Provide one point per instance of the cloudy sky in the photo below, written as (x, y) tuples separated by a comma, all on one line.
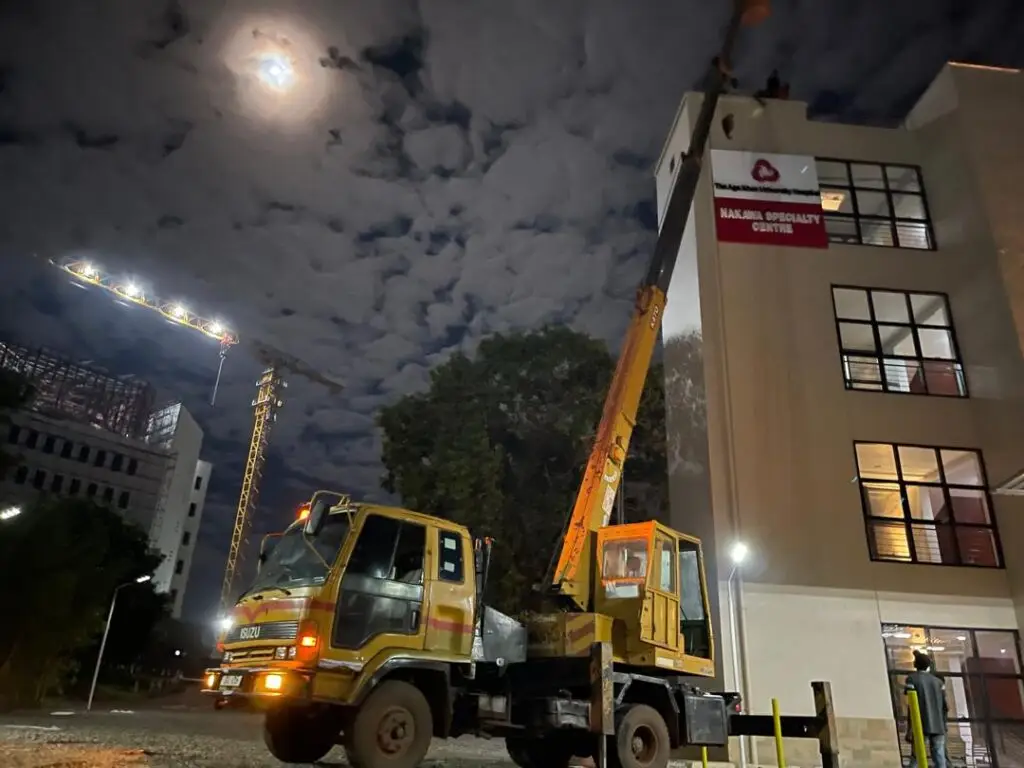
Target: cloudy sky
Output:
[(440, 170)]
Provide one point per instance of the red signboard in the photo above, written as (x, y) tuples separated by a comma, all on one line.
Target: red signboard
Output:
[(767, 199)]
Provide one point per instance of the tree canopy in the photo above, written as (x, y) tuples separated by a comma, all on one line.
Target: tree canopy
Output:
[(499, 442)]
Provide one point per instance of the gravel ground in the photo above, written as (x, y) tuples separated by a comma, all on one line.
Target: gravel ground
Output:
[(180, 740)]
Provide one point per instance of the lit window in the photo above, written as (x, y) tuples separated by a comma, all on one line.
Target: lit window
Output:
[(981, 670), (927, 505), (893, 341), (874, 204)]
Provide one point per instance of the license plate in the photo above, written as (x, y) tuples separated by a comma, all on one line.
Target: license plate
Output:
[(230, 681)]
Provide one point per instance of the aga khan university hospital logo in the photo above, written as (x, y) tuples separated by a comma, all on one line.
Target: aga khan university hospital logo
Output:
[(764, 172)]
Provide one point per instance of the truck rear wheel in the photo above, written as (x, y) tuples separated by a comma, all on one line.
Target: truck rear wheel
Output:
[(551, 751), (641, 739), (392, 729), (299, 734)]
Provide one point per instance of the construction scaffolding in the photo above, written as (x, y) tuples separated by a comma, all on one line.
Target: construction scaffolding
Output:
[(77, 391)]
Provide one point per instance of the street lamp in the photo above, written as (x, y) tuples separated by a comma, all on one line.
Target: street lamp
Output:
[(738, 554), (106, 631)]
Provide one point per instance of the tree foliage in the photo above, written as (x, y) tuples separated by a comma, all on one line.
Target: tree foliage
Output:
[(499, 443), (15, 392), (60, 561)]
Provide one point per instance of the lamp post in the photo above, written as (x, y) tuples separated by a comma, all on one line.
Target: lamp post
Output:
[(106, 631), (738, 555)]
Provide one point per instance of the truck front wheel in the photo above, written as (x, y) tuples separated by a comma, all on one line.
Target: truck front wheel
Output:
[(392, 729), (299, 734), (641, 739)]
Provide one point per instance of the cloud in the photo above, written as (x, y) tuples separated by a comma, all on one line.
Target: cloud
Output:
[(442, 170)]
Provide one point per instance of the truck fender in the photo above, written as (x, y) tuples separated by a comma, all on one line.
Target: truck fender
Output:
[(654, 692), (433, 678)]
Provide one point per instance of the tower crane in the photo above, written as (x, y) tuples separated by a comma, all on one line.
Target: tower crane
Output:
[(270, 387)]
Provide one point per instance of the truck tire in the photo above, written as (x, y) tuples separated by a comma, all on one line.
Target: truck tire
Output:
[(392, 729), (551, 751), (641, 739), (297, 734)]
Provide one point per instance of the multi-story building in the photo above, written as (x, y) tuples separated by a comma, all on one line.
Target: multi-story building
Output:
[(845, 394), (91, 435)]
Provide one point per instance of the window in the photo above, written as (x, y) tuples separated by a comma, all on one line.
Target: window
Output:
[(186, 538), (57, 483), (892, 341), (90, 490), (133, 466), (382, 589), (83, 454), (874, 204), (179, 567), (66, 448), (927, 505), (14, 434), (192, 509), (39, 479), (108, 495), (49, 444), (117, 462), (981, 669), (450, 565), (33, 438), (21, 475), (101, 458), (122, 500), (75, 487), (199, 482), (667, 565)]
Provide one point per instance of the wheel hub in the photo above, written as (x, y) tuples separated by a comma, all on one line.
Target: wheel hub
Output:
[(644, 745), (396, 731)]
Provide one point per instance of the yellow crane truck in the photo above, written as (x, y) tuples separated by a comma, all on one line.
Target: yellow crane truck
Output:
[(367, 625)]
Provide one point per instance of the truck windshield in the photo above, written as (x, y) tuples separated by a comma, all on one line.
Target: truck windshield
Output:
[(293, 562)]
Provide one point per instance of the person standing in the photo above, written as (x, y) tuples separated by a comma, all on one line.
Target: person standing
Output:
[(931, 699)]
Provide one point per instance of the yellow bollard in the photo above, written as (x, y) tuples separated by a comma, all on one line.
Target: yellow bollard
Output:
[(920, 753), (780, 753), (704, 757)]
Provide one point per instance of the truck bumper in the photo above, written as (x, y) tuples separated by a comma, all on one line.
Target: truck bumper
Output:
[(257, 683)]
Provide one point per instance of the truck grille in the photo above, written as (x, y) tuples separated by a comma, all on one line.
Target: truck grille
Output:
[(271, 630)]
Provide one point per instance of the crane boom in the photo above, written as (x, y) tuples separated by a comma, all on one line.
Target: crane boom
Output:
[(600, 484)]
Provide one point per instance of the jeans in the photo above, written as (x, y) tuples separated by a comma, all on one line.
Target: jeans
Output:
[(936, 752)]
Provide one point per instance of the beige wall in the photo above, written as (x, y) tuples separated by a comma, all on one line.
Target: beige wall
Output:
[(780, 467)]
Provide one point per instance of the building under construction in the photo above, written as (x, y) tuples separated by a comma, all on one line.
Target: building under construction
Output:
[(90, 435), (77, 391)]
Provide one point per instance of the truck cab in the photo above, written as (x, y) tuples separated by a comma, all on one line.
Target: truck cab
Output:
[(365, 592)]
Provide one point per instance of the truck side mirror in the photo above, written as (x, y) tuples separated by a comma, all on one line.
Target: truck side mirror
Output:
[(318, 509)]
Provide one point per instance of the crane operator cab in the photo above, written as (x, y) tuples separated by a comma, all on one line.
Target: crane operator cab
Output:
[(651, 582)]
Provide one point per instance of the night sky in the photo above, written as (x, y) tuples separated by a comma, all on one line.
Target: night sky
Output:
[(438, 171)]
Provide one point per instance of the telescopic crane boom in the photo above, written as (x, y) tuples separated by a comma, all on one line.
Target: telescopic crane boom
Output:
[(572, 576)]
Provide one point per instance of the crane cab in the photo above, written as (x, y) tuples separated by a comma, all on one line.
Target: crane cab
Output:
[(650, 580)]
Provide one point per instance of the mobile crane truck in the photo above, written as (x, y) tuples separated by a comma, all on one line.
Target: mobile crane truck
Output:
[(367, 625)]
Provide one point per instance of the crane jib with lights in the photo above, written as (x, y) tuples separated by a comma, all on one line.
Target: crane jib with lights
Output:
[(269, 389), (572, 574)]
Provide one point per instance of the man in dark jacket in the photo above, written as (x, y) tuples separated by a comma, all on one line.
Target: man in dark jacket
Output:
[(931, 699)]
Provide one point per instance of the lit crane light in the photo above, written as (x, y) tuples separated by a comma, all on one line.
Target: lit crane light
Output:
[(174, 311)]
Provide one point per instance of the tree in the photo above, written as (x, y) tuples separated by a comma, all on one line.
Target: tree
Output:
[(60, 560), (499, 443), (15, 393)]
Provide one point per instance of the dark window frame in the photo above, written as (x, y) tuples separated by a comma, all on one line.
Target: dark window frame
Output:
[(985, 722), (909, 522), (913, 327), (857, 218)]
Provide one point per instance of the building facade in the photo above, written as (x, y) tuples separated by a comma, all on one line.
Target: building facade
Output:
[(88, 435), (845, 390)]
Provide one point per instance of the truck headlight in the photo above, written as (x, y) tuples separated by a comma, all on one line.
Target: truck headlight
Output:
[(281, 652)]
